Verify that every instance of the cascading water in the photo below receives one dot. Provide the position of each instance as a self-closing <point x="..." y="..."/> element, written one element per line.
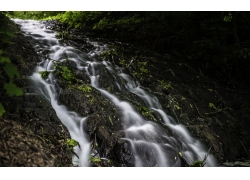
<point x="152" y="145"/>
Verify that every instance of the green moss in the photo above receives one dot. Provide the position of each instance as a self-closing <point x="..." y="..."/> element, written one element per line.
<point x="92" y="100"/>
<point x="123" y="63"/>
<point x="85" y="88"/>
<point x="165" y="85"/>
<point x="198" y="163"/>
<point x="64" y="35"/>
<point x="109" y="54"/>
<point x="147" y="112"/>
<point x="44" y="74"/>
<point x="109" y="89"/>
<point x="67" y="73"/>
<point x="64" y="71"/>
<point x="143" y="67"/>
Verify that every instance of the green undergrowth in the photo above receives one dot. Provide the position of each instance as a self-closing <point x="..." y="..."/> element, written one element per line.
<point x="8" y="71"/>
<point x="110" y="54"/>
<point x="62" y="70"/>
<point x="44" y="74"/>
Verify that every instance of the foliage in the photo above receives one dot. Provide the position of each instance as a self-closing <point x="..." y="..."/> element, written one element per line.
<point x="44" y="74"/>
<point x="10" y="71"/>
<point x="109" y="54"/>
<point x="37" y="15"/>
<point x="72" y="143"/>
<point x="84" y="88"/>
<point x="197" y="164"/>
<point x="206" y="40"/>
<point x="64" y="71"/>
<point x="94" y="159"/>
<point x="77" y="19"/>
<point x="147" y="112"/>
<point x="63" y="35"/>
<point x="2" y="110"/>
<point x="67" y="73"/>
<point x="12" y="89"/>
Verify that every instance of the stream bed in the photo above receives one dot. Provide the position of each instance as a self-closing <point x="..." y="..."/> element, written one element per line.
<point x="130" y="138"/>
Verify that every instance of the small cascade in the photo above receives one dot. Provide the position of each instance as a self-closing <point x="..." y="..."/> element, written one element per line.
<point x="152" y="144"/>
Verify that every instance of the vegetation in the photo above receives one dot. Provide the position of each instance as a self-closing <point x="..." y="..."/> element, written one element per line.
<point x="72" y="143"/>
<point x="8" y="72"/>
<point x="217" y="44"/>
<point x="64" y="71"/>
<point x="37" y="15"/>
<point x="44" y="74"/>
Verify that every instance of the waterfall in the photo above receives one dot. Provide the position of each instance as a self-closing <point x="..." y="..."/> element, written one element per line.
<point x="152" y="144"/>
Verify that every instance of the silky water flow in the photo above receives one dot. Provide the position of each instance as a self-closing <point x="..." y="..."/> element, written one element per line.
<point x="151" y="144"/>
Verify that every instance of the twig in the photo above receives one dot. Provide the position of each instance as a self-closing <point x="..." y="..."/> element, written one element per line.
<point x="197" y="110"/>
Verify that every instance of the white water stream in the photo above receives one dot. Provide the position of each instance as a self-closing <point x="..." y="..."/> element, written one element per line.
<point x="151" y="144"/>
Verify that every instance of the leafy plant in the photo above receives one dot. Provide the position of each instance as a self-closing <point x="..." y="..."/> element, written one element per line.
<point x="198" y="163"/>
<point x="64" y="71"/>
<point x="85" y="88"/>
<point x="109" y="54"/>
<point x="12" y="73"/>
<point x="44" y="74"/>
<point x="94" y="159"/>
<point x="67" y="73"/>
<point x="72" y="143"/>
<point x="12" y="89"/>
<point x="146" y="112"/>
<point x="6" y="66"/>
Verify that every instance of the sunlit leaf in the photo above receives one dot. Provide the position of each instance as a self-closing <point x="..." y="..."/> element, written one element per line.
<point x="72" y="143"/>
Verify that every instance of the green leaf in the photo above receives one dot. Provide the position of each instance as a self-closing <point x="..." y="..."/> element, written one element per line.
<point x="12" y="89"/>
<point x="11" y="70"/>
<point x="72" y="143"/>
<point x="44" y="74"/>
<point x="211" y="105"/>
<point x="4" y="59"/>
<point x="2" y="110"/>
<point x="96" y="160"/>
